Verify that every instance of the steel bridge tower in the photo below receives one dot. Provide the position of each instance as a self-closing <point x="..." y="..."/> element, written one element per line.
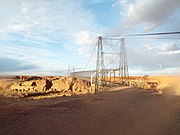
<point x="100" y="76"/>
<point x="123" y="65"/>
<point x="119" y="65"/>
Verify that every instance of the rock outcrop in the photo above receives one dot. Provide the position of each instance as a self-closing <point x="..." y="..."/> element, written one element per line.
<point x="45" y="86"/>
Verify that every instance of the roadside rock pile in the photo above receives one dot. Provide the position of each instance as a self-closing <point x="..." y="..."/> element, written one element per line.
<point x="160" y="84"/>
<point x="42" y="87"/>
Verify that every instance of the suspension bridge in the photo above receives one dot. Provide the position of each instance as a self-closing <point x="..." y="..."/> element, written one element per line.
<point x="111" y="60"/>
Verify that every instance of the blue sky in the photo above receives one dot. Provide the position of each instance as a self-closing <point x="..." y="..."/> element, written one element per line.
<point x="45" y="37"/>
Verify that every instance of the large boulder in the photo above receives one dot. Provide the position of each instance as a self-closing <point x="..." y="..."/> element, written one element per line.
<point x="60" y="85"/>
<point x="41" y="85"/>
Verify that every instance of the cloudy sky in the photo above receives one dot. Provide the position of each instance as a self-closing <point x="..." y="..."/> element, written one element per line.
<point x="45" y="37"/>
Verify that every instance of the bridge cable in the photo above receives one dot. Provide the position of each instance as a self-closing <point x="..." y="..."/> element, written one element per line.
<point x="90" y="57"/>
<point x="173" y="38"/>
<point x="148" y="34"/>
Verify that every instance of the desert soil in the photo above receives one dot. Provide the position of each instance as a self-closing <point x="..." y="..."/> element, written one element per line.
<point x="116" y="111"/>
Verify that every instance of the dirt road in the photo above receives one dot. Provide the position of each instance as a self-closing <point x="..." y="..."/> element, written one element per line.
<point x="124" y="111"/>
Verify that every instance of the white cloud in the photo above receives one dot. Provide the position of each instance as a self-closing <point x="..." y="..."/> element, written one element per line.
<point x="45" y="31"/>
<point x="37" y="56"/>
<point x="46" y="17"/>
<point x="152" y="12"/>
<point x="165" y="48"/>
<point x="147" y="15"/>
<point x="151" y="57"/>
<point x="123" y="1"/>
<point x="85" y="40"/>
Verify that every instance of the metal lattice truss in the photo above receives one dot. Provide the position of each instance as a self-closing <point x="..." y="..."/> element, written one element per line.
<point x="111" y="60"/>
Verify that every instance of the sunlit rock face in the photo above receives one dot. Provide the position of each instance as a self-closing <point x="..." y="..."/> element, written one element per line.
<point x="161" y="84"/>
<point x="45" y="87"/>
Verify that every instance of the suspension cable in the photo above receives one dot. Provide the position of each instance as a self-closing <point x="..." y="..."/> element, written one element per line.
<point x="90" y="57"/>
<point x="147" y="34"/>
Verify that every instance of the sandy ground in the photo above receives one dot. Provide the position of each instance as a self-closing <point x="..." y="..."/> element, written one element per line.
<point x="118" y="111"/>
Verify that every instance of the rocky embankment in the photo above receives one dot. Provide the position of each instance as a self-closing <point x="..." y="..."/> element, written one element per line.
<point x="161" y="84"/>
<point x="43" y="87"/>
